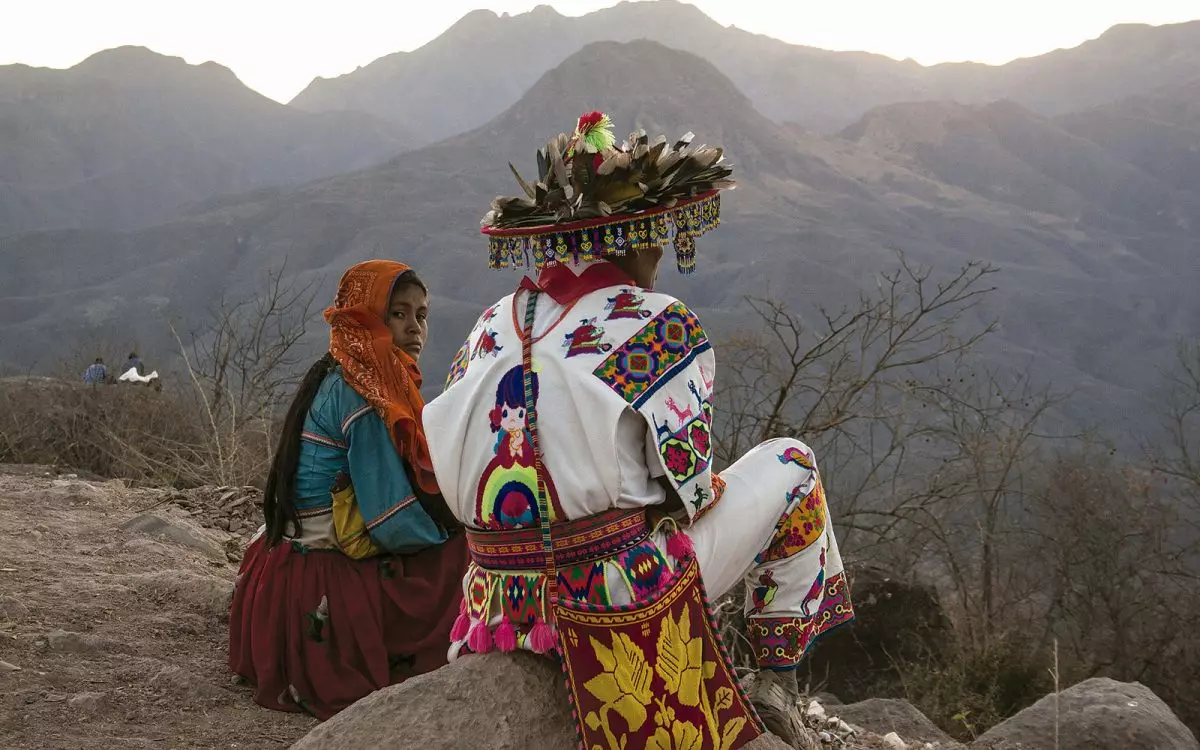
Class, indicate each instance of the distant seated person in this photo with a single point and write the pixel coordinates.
(133, 363)
(131, 376)
(355, 580)
(96, 373)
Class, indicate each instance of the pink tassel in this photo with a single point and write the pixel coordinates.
(461, 624)
(506, 636)
(542, 639)
(480, 637)
(679, 545)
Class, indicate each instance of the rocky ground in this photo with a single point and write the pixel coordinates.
(113, 606)
(112, 618)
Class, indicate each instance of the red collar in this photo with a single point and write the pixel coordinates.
(565, 287)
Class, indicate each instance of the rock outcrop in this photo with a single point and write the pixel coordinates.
(887, 715)
(895, 621)
(1097, 714)
(496, 701)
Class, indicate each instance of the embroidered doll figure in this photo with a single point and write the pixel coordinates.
(507, 493)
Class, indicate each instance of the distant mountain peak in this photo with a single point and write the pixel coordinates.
(127, 55)
(143, 66)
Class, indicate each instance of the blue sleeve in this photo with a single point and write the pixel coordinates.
(394, 517)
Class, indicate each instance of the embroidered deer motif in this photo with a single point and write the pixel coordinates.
(682, 416)
(662, 431)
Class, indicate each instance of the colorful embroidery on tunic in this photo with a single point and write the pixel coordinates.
(627, 304)
(764, 593)
(586, 339)
(644, 569)
(458, 367)
(687, 451)
(575, 542)
(800, 526)
(700, 497)
(507, 493)
(522, 596)
(794, 455)
(584, 583)
(783, 641)
(668, 342)
(486, 344)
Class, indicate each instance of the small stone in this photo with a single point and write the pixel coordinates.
(66, 641)
(893, 741)
(31, 698)
(175, 530)
(237, 680)
(11, 608)
(5, 667)
(815, 711)
(825, 737)
(87, 702)
(55, 698)
(37, 535)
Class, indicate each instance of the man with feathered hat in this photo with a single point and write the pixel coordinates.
(574, 440)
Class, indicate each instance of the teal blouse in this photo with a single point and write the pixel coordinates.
(343, 433)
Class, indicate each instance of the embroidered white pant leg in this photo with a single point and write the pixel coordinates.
(771, 529)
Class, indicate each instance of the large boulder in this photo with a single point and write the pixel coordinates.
(896, 621)
(485, 702)
(1097, 714)
(885, 715)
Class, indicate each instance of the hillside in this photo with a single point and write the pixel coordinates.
(127, 138)
(488, 61)
(1092, 291)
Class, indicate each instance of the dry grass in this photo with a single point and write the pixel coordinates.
(123, 431)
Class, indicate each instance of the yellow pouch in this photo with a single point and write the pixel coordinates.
(349, 526)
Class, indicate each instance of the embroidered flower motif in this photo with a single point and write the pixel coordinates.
(624, 685)
(699, 437)
(684, 735)
(678, 459)
(681, 658)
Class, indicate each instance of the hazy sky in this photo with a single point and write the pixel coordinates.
(278, 46)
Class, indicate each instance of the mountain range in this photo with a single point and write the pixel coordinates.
(128, 138)
(1085, 199)
(482, 64)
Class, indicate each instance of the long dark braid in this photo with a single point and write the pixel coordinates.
(279, 506)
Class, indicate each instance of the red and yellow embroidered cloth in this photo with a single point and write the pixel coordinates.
(654, 675)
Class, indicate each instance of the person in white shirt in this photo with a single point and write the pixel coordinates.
(617, 452)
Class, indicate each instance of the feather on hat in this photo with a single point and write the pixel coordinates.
(594, 198)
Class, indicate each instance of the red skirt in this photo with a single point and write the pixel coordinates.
(315, 631)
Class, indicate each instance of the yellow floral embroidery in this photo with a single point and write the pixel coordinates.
(684, 735)
(623, 686)
(680, 658)
(627, 685)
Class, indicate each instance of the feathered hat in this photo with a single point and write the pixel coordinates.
(595, 198)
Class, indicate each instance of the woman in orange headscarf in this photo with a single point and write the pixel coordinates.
(354, 582)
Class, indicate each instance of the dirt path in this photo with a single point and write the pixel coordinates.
(140, 661)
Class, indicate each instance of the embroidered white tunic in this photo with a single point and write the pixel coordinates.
(624, 385)
(624, 388)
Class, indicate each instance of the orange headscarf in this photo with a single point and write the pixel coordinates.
(387, 377)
